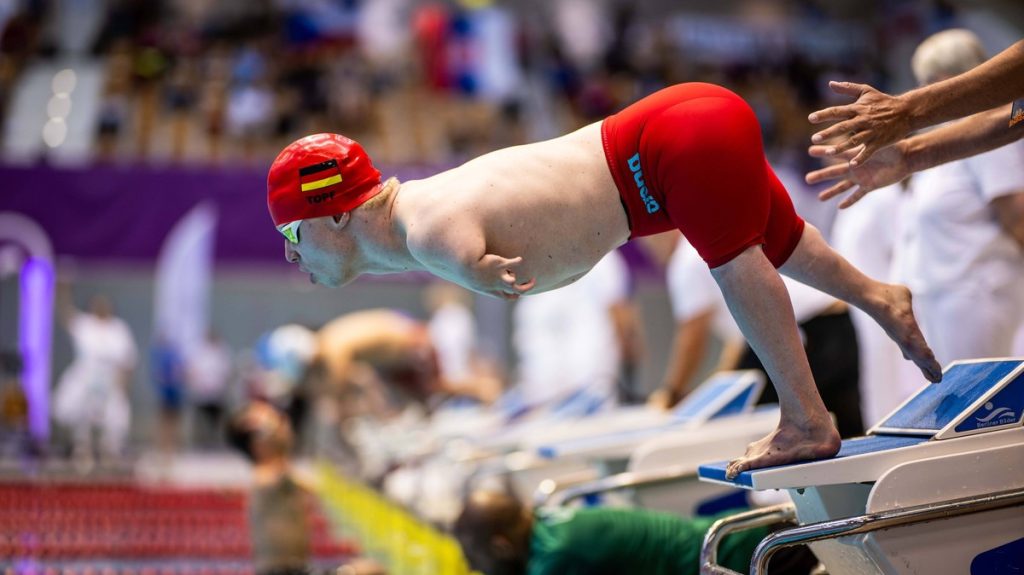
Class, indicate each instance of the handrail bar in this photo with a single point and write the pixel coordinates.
(781, 513)
(867, 523)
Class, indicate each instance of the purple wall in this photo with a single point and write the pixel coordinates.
(123, 213)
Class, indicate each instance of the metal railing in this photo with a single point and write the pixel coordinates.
(556, 498)
(824, 530)
(782, 513)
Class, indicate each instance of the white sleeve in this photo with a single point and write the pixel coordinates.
(691, 289)
(999, 172)
(78, 325)
(128, 352)
(612, 281)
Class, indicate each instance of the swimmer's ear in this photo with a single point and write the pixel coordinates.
(340, 220)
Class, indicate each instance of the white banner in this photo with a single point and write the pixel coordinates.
(183, 273)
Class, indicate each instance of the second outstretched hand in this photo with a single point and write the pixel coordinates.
(496, 276)
(869, 124)
(887, 167)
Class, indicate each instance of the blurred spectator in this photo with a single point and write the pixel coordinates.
(115, 104)
(92, 392)
(209, 375)
(870, 237)
(279, 504)
(168, 372)
(453, 331)
(282, 375)
(965, 255)
(180, 98)
(20, 32)
(213, 95)
(149, 64)
(501, 536)
(568, 339)
(249, 112)
(13, 404)
(825, 328)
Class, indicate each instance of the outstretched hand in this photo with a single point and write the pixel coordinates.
(875, 120)
(499, 277)
(885, 168)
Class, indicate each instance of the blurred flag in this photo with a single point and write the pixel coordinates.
(183, 272)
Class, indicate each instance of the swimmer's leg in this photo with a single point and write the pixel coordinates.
(758, 300)
(816, 264)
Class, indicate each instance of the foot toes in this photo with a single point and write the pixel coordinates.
(735, 467)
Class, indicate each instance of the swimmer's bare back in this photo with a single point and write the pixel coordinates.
(546, 212)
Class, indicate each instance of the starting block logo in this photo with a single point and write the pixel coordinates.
(995, 416)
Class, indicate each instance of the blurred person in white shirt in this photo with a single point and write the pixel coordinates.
(453, 331)
(209, 372)
(871, 237)
(92, 393)
(965, 252)
(566, 339)
(701, 314)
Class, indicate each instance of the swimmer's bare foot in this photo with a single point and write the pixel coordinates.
(788, 444)
(894, 312)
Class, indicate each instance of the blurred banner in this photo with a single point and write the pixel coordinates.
(122, 214)
(183, 274)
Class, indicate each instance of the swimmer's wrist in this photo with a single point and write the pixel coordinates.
(913, 107)
(913, 152)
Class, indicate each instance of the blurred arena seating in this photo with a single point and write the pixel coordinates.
(120, 528)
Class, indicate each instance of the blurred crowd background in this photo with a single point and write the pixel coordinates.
(427, 82)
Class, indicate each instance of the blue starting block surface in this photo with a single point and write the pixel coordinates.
(724, 394)
(973, 397)
(850, 448)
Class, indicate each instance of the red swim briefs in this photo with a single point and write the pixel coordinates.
(690, 157)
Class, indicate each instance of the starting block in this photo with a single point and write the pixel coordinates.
(661, 461)
(724, 395)
(936, 487)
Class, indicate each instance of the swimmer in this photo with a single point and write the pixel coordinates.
(532, 218)
(389, 347)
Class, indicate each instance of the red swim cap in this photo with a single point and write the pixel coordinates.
(320, 175)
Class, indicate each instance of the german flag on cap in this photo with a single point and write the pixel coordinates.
(319, 176)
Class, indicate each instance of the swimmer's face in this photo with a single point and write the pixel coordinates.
(324, 251)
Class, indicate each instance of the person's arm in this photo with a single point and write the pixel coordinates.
(732, 353)
(968, 137)
(628, 335)
(876, 120)
(459, 254)
(66, 310)
(688, 350)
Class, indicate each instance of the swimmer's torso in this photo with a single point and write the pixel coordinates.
(553, 203)
(379, 337)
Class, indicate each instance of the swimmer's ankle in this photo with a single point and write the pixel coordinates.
(880, 301)
(811, 424)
